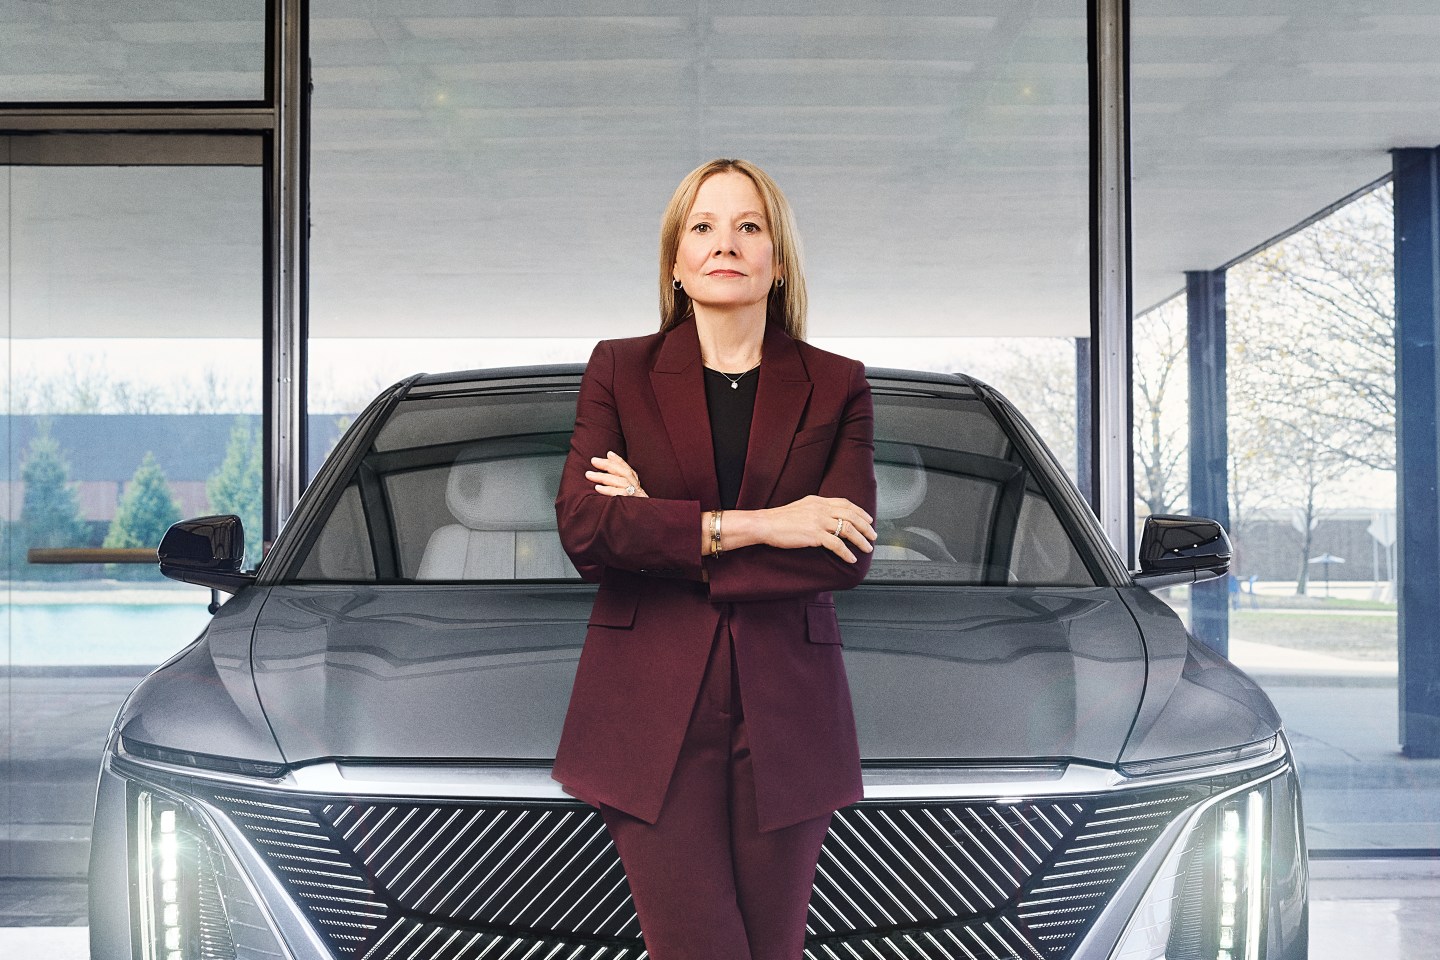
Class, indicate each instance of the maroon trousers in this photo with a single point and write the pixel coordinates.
(707, 884)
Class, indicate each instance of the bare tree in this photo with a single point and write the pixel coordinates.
(1320, 312)
(1161, 396)
(1038, 375)
(1308, 464)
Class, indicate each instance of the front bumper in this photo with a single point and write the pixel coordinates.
(337, 862)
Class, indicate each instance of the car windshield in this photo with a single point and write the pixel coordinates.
(460, 486)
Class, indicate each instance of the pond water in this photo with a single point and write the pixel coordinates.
(98, 634)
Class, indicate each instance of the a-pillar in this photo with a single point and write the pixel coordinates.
(1417, 444)
(1209, 472)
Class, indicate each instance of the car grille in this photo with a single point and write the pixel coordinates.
(448, 880)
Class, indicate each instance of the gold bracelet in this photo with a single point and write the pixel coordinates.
(715, 532)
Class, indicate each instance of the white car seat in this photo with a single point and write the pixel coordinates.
(900, 488)
(505, 529)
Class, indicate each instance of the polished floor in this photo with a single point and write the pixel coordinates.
(1371, 909)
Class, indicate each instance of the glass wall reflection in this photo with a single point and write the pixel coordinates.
(494, 182)
(1252, 121)
(79, 50)
(132, 399)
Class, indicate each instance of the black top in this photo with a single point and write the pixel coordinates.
(731, 408)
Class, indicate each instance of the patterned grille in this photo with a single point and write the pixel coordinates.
(933, 880)
(214, 936)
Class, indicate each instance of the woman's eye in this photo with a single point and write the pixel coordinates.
(749, 227)
(701, 228)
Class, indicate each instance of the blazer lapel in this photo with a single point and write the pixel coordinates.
(780, 399)
(678, 381)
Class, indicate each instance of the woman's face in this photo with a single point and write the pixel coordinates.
(726, 257)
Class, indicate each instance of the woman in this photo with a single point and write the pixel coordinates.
(720, 484)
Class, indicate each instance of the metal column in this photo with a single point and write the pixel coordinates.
(287, 239)
(1417, 444)
(1111, 307)
(1209, 446)
(1084, 422)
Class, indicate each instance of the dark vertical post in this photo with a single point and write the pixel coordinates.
(1209, 456)
(1084, 425)
(1417, 444)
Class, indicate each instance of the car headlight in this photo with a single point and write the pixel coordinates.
(190, 900)
(1207, 901)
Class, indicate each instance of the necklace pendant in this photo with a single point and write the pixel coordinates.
(734, 385)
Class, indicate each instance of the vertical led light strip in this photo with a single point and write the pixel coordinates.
(145, 880)
(1254, 871)
(1231, 833)
(158, 866)
(170, 884)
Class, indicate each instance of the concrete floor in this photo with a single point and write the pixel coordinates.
(1375, 909)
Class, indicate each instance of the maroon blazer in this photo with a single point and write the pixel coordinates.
(655, 614)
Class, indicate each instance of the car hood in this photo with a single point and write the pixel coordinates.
(484, 672)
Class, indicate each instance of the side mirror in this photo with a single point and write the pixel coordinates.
(1177, 549)
(208, 551)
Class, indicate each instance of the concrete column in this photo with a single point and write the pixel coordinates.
(1417, 444)
(1209, 444)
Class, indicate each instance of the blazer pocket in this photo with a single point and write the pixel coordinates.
(614, 609)
(821, 624)
(809, 435)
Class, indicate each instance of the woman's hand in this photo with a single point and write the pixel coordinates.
(614, 477)
(813, 522)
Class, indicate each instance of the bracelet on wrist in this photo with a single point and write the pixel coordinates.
(715, 517)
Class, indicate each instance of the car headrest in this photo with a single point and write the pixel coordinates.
(899, 480)
(513, 493)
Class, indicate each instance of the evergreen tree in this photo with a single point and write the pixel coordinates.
(50, 514)
(146, 510)
(237, 486)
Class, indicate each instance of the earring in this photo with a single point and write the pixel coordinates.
(779, 281)
(677, 285)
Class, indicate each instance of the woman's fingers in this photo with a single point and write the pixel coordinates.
(614, 477)
(837, 546)
(856, 535)
(858, 528)
(834, 523)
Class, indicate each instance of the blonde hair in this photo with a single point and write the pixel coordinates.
(786, 304)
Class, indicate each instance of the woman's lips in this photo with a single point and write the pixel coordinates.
(724, 273)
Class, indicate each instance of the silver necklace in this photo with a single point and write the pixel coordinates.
(735, 381)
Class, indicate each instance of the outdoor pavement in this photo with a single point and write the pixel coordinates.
(1341, 716)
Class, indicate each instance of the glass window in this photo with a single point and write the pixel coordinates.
(80, 50)
(1161, 438)
(134, 300)
(1258, 128)
(488, 182)
(957, 501)
(463, 488)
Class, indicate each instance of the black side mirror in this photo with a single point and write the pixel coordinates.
(1177, 549)
(208, 551)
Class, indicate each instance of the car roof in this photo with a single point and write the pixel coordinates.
(536, 374)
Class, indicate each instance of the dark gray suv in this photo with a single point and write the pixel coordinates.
(352, 762)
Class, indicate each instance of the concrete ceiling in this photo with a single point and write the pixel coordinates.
(498, 169)
(505, 174)
(1250, 117)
